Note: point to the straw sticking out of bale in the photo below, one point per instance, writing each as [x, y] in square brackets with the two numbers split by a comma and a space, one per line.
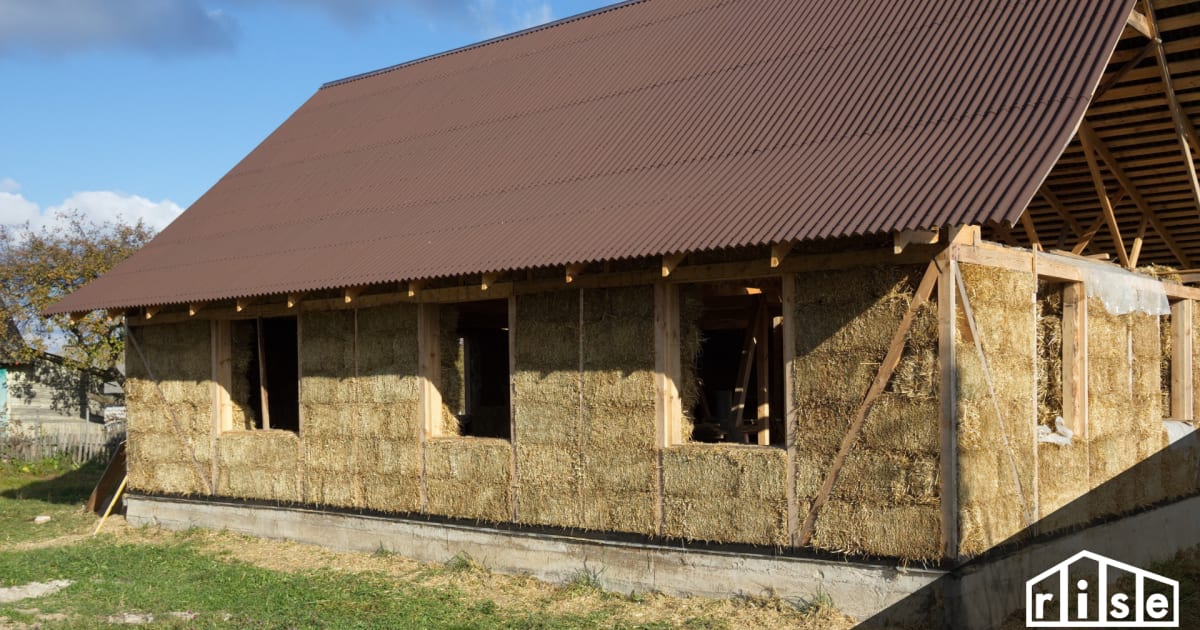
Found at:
[845, 321]
[179, 355]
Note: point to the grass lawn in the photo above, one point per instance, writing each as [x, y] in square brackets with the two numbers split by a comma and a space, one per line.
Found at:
[202, 579]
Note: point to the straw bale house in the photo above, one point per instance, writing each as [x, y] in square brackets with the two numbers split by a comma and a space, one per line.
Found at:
[793, 276]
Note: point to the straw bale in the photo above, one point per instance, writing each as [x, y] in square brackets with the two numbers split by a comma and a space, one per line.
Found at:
[724, 518]
[880, 478]
[1108, 457]
[1062, 479]
[619, 470]
[453, 370]
[1049, 352]
[905, 531]
[903, 425]
[691, 308]
[327, 351]
[540, 465]
[391, 493]
[328, 487]
[1180, 463]
[484, 460]
[555, 504]
[329, 452]
[1166, 333]
[990, 499]
[393, 421]
[619, 511]
[322, 419]
[243, 352]
[467, 499]
[399, 459]
[725, 493]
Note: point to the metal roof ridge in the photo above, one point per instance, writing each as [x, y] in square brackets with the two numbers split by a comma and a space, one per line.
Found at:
[499, 38]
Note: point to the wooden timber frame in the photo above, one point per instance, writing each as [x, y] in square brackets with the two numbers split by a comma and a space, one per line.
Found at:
[955, 246]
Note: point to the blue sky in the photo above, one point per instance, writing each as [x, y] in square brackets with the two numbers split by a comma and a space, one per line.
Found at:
[136, 107]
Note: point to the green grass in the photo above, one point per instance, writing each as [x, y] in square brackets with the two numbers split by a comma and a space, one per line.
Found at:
[177, 577]
[51, 487]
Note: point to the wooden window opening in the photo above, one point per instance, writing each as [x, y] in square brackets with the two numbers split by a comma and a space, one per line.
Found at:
[256, 371]
[465, 368]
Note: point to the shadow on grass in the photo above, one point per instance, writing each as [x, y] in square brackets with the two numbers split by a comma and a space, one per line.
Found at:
[73, 486]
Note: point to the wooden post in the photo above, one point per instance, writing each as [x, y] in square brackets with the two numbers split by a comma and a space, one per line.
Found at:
[668, 407]
[791, 420]
[947, 315]
[262, 376]
[762, 366]
[1182, 394]
[429, 397]
[1074, 364]
[514, 480]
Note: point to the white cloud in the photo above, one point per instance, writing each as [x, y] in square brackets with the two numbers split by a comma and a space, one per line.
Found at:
[9, 185]
[494, 18]
[97, 205]
[156, 26]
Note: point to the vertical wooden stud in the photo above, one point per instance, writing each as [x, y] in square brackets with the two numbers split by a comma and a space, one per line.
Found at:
[1075, 370]
[948, 389]
[791, 420]
[1182, 394]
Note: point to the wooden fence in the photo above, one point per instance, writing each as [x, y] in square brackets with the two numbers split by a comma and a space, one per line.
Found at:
[78, 446]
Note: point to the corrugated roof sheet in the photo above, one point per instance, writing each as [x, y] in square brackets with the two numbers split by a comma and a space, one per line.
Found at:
[653, 127]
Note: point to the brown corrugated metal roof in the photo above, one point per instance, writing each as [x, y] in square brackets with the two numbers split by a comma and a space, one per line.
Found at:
[654, 127]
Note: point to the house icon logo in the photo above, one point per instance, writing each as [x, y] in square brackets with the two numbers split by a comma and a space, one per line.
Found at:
[1088, 590]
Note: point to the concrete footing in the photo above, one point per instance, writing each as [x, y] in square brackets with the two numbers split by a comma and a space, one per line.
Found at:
[859, 590]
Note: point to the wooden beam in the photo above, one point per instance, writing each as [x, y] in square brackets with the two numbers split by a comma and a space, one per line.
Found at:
[77, 316]
[1182, 391]
[779, 251]
[948, 413]
[1183, 125]
[668, 372]
[1085, 239]
[114, 314]
[1086, 131]
[903, 238]
[573, 271]
[414, 287]
[196, 307]
[1030, 231]
[1141, 24]
[488, 281]
[1113, 78]
[670, 262]
[350, 294]
[1074, 359]
[1136, 251]
[884, 374]
[241, 304]
[151, 311]
[1106, 208]
[1061, 209]
[293, 299]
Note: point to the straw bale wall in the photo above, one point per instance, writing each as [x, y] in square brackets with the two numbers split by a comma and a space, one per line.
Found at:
[546, 407]
[997, 461]
[619, 459]
[886, 500]
[328, 406]
[180, 358]
[725, 493]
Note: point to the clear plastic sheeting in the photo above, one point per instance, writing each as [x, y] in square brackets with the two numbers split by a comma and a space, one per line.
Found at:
[1123, 292]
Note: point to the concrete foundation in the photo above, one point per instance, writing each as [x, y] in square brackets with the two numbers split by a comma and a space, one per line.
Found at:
[857, 589]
